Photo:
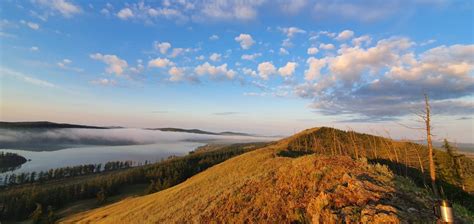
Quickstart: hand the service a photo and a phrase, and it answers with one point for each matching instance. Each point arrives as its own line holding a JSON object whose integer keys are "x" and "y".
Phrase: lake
{"x": 70, "y": 147}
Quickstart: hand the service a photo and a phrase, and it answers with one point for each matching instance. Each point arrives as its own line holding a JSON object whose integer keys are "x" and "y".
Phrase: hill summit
{"x": 286, "y": 182}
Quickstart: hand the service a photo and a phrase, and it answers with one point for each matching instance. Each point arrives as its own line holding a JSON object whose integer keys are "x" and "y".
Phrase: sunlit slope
{"x": 261, "y": 186}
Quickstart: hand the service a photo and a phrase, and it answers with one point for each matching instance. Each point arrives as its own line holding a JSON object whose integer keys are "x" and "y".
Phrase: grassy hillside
{"x": 406, "y": 158}
{"x": 267, "y": 185}
{"x": 17, "y": 202}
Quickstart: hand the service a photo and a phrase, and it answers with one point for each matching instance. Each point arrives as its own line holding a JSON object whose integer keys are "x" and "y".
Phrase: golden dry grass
{"x": 260, "y": 186}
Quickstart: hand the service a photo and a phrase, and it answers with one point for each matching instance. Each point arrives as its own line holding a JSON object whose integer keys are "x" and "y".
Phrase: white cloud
{"x": 163, "y": 47}
{"x": 455, "y": 61}
{"x": 31, "y": 25}
{"x": 176, "y": 74}
{"x": 287, "y": 43}
{"x": 312, "y": 51}
{"x": 26, "y": 78}
{"x": 245, "y": 40}
{"x": 283, "y": 51}
{"x": 115, "y": 64}
{"x": 250, "y": 72}
{"x": 293, "y": 6}
{"x": 160, "y": 63}
{"x": 65, "y": 64}
{"x": 138, "y": 68}
{"x": 214, "y": 71}
{"x": 387, "y": 80}
{"x": 66, "y": 8}
{"x": 351, "y": 62}
{"x": 34, "y": 48}
{"x": 290, "y": 32}
{"x": 200, "y": 57}
{"x": 427, "y": 42}
{"x": 149, "y": 14}
{"x": 125, "y": 13}
{"x": 104, "y": 82}
{"x": 250, "y": 57}
{"x": 326, "y": 46}
{"x": 314, "y": 68}
{"x": 265, "y": 69}
{"x": 214, "y": 37}
{"x": 288, "y": 69}
{"x": 176, "y": 52}
{"x": 345, "y": 35}
{"x": 359, "y": 41}
{"x": 215, "y": 57}
{"x": 228, "y": 10}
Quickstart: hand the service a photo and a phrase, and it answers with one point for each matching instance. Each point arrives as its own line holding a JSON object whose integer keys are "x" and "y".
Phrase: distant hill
{"x": 198, "y": 131}
{"x": 44, "y": 125}
{"x": 311, "y": 177}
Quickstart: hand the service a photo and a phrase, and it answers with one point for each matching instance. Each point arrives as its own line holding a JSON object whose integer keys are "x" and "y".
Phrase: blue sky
{"x": 270, "y": 67}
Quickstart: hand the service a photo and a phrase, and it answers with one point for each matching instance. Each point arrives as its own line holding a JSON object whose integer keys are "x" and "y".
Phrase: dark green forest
{"x": 39, "y": 199}
{"x": 10, "y": 161}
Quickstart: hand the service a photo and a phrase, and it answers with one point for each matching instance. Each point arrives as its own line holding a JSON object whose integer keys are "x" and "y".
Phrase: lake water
{"x": 147, "y": 145}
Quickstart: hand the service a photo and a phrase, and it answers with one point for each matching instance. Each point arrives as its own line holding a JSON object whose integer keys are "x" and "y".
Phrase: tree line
{"x": 22, "y": 201}
{"x": 63, "y": 172}
{"x": 9, "y": 161}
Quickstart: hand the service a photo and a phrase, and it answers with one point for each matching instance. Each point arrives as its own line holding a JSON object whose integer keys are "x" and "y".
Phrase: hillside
{"x": 199, "y": 131}
{"x": 274, "y": 185}
{"x": 44, "y": 125}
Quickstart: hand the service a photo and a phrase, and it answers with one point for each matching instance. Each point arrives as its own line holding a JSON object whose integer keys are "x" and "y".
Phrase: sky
{"x": 260, "y": 66}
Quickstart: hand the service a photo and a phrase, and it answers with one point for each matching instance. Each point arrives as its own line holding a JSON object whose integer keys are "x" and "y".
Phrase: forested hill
{"x": 44, "y": 125}
{"x": 9, "y": 161}
{"x": 198, "y": 131}
{"x": 320, "y": 175}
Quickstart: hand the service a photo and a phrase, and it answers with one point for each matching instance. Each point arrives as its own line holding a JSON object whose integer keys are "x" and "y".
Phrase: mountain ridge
{"x": 266, "y": 186}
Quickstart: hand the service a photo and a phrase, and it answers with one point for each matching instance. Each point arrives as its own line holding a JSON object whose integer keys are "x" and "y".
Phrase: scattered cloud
{"x": 283, "y": 51}
{"x": 427, "y": 42}
{"x": 292, "y": 7}
{"x": 115, "y": 64}
{"x": 66, "y": 64}
{"x": 163, "y": 47}
{"x": 227, "y": 10}
{"x": 265, "y": 69}
{"x": 64, "y": 7}
{"x": 31, "y": 25}
{"x": 214, "y": 71}
{"x": 125, "y": 13}
{"x": 388, "y": 80}
{"x": 314, "y": 68}
{"x": 288, "y": 69}
{"x": 34, "y": 48}
{"x": 215, "y": 57}
{"x": 149, "y": 14}
{"x": 250, "y": 57}
{"x": 250, "y": 72}
{"x": 290, "y": 32}
{"x": 104, "y": 82}
{"x": 160, "y": 63}
{"x": 176, "y": 74}
{"x": 362, "y": 40}
{"x": 345, "y": 35}
{"x": 214, "y": 37}
{"x": 245, "y": 40}
{"x": 327, "y": 46}
{"x": 26, "y": 78}
{"x": 312, "y": 51}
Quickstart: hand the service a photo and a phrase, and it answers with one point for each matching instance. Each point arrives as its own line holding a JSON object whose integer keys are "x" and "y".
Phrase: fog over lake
{"x": 68, "y": 147}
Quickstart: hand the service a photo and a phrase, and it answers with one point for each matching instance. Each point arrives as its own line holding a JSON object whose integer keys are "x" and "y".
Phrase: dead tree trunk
{"x": 427, "y": 118}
